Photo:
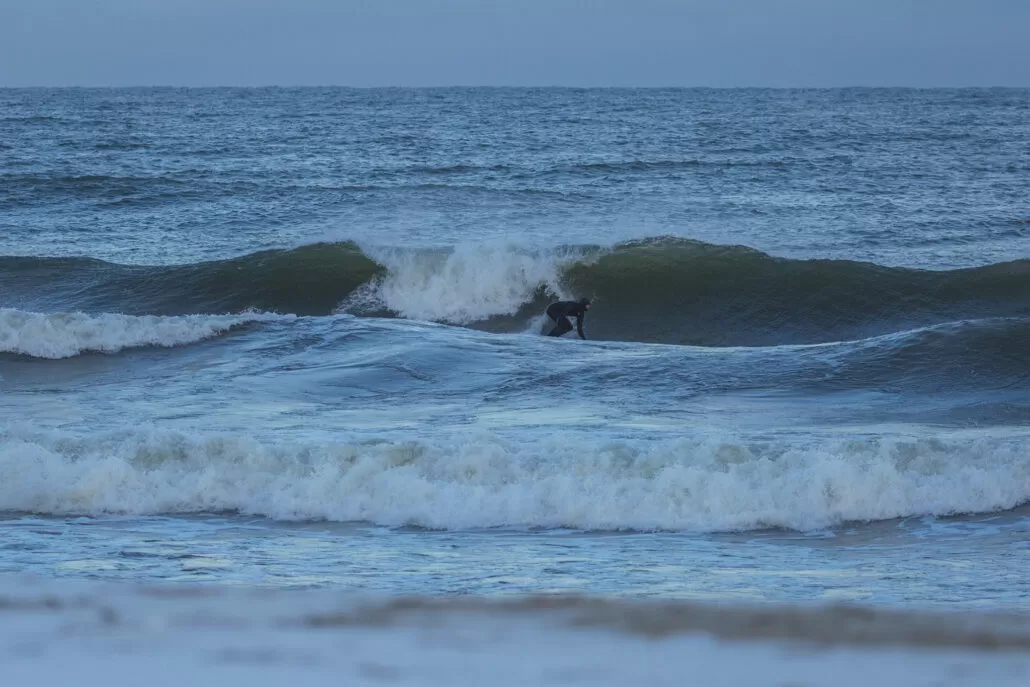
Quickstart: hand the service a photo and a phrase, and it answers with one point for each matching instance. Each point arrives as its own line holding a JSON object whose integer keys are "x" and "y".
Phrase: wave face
{"x": 679, "y": 291}
{"x": 66, "y": 335}
{"x": 661, "y": 290}
{"x": 481, "y": 480}
{"x": 309, "y": 280}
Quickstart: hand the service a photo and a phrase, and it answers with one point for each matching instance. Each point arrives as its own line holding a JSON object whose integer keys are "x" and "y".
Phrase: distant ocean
{"x": 290, "y": 338}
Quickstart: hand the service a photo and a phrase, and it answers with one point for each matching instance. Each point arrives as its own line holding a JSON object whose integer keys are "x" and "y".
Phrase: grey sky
{"x": 515, "y": 42}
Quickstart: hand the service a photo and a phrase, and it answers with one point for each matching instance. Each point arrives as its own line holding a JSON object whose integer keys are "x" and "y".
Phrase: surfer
{"x": 561, "y": 311}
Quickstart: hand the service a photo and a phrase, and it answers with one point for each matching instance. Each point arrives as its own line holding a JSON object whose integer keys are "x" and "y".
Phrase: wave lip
{"x": 467, "y": 284}
{"x": 481, "y": 480}
{"x": 65, "y": 335}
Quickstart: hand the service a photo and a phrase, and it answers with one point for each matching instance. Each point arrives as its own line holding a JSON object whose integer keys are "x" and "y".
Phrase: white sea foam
{"x": 64, "y": 335}
{"x": 468, "y": 283}
{"x": 482, "y": 480}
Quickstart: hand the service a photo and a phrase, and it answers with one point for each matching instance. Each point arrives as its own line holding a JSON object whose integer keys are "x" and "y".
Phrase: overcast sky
{"x": 515, "y": 42}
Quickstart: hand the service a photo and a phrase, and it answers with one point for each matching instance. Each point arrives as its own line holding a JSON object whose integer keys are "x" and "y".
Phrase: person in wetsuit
{"x": 561, "y": 311}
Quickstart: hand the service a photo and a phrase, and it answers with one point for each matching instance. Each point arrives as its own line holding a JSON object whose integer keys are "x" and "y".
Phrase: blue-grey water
{"x": 291, "y": 337}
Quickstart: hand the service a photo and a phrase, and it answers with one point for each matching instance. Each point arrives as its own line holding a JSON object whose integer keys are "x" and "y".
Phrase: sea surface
{"x": 290, "y": 338}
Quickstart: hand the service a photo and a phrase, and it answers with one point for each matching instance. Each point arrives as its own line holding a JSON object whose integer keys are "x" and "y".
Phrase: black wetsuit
{"x": 561, "y": 311}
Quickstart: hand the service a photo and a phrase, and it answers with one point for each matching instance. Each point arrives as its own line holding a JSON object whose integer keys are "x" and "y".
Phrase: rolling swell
{"x": 309, "y": 280}
{"x": 687, "y": 292}
{"x": 970, "y": 355}
{"x": 661, "y": 290}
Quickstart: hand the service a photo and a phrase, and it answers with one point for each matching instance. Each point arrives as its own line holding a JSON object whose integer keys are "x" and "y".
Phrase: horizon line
{"x": 514, "y": 87}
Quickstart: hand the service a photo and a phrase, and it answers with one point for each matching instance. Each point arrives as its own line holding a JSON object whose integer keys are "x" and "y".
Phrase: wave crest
{"x": 467, "y": 284}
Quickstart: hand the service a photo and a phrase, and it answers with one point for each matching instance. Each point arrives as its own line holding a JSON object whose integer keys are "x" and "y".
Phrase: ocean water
{"x": 291, "y": 338}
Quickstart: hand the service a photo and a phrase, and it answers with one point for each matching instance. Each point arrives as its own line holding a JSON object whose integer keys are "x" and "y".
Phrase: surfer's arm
{"x": 579, "y": 327}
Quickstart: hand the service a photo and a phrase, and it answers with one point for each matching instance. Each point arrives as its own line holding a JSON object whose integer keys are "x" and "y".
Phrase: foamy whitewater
{"x": 291, "y": 339}
{"x": 481, "y": 480}
{"x": 63, "y": 335}
{"x": 470, "y": 283}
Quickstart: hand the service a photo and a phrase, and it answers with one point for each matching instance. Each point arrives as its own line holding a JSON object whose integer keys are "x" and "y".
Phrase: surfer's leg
{"x": 551, "y": 315}
{"x": 562, "y": 327}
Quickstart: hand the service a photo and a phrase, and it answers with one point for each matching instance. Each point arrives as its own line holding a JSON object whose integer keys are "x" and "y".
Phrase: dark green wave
{"x": 665, "y": 290}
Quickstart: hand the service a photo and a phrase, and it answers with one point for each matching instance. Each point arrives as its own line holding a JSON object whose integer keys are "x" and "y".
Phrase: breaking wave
{"x": 483, "y": 480}
{"x": 663, "y": 290}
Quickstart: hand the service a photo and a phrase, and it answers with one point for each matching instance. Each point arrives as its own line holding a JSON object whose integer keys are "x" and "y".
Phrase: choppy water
{"x": 290, "y": 337}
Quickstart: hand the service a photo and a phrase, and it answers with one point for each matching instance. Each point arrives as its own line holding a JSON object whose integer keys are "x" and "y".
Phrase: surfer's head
{"x": 585, "y": 302}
